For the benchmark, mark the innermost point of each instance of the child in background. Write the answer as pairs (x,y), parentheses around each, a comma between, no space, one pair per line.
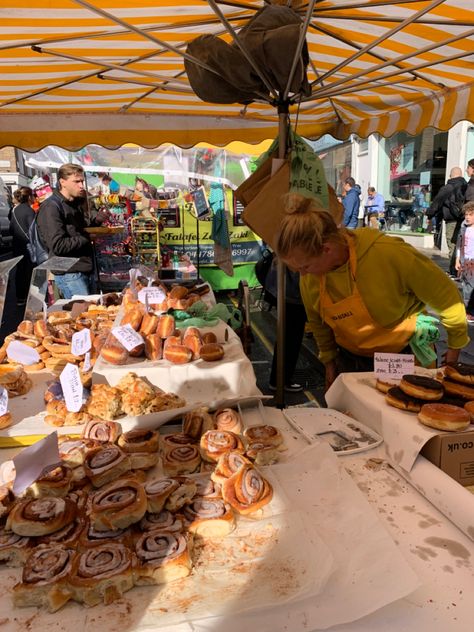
(465,258)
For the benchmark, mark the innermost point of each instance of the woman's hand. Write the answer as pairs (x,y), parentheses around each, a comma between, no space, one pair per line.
(451,356)
(331,373)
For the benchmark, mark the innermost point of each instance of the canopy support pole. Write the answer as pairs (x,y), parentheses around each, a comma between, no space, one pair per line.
(281,274)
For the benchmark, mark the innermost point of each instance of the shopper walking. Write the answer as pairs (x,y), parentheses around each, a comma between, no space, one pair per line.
(351,203)
(21,218)
(465,259)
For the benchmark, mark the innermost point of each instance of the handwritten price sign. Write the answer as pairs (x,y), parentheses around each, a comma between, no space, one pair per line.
(70,379)
(18,352)
(393,365)
(127,335)
(152,295)
(81,342)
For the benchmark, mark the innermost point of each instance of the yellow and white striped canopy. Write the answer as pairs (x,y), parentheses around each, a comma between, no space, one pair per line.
(75,72)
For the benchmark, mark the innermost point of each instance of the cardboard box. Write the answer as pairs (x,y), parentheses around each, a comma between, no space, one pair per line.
(453,453)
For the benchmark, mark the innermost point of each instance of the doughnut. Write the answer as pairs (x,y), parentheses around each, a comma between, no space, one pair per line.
(444,417)
(149,324)
(177,354)
(209,336)
(193,342)
(398,398)
(469,406)
(384,385)
(211,352)
(5,420)
(166,326)
(153,347)
(422,387)
(133,317)
(458,389)
(460,372)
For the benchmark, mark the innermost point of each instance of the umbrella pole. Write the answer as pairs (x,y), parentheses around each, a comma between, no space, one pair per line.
(281,276)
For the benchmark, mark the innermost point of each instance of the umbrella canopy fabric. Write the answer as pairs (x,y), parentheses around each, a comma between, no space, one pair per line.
(75,72)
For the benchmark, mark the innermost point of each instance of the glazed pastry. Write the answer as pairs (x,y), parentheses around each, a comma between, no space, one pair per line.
(42,328)
(459,389)
(105,464)
(118,505)
(399,399)
(444,417)
(90,537)
(153,347)
(214,443)
(460,372)
(211,352)
(181,460)
(177,354)
(227,465)
(133,317)
(114,352)
(157,492)
(44,580)
(105,402)
(197,422)
(209,337)
(149,324)
(139,441)
(14,549)
(209,517)
(54,480)
(264,434)
(162,557)
(192,340)
(102,574)
(182,495)
(228,419)
(163,521)
(103,431)
(41,516)
(246,491)
(178,291)
(422,387)
(166,326)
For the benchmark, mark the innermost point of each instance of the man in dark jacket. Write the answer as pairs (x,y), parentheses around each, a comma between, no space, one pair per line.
(351,203)
(61,225)
(470,185)
(447,205)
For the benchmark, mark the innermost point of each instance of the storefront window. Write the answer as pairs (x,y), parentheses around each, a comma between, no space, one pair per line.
(337,165)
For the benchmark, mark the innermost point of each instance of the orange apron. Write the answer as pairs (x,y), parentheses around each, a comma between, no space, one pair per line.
(354,328)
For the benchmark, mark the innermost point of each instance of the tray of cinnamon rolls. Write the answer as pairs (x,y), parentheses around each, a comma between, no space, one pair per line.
(136,508)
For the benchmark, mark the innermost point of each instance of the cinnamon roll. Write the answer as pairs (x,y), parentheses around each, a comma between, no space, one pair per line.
(246,491)
(105,464)
(268,435)
(162,557)
(14,549)
(67,536)
(209,517)
(90,537)
(54,480)
(118,505)
(163,521)
(139,441)
(205,486)
(227,465)
(103,431)
(181,460)
(175,440)
(216,442)
(158,491)
(197,422)
(73,451)
(102,574)
(143,460)
(182,495)
(44,581)
(41,516)
(228,419)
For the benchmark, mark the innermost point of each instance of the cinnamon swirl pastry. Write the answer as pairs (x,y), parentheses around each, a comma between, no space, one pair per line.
(102,574)
(228,419)
(216,442)
(227,465)
(103,431)
(14,549)
(247,491)
(158,491)
(181,460)
(143,460)
(197,422)
(205,486)
(163,521)
(139,441)
(209,517)
(118,505)
(67,536)
(105,464)
(175,440)
(268,435)
(40,516)
(73,451)
(162,557)
(90,537)
(54,480)
(44,581)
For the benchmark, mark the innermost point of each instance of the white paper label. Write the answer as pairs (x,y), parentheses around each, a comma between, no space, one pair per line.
(71,384)
(81,342)
(45,311)
(393,365)
(127,335)
(3,400)
(31,461)
(133,273)
(18,352)
(87,362)
(154,295)
(101,298)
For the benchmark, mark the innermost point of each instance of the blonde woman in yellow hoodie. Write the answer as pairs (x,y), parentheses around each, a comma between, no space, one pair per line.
(363,290)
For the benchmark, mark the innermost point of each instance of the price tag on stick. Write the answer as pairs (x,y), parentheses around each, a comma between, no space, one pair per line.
(19,352)
(393,366)
(31,461)
(127,335)
(154,295)
(70,379)
(3,400)
(81,342)
(87,362)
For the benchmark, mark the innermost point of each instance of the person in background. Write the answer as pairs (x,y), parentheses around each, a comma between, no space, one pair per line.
(469,196)
(61,226)
(374,207)
(22,216)
(447,205)
(364,291)
(351,203)
(465,258)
